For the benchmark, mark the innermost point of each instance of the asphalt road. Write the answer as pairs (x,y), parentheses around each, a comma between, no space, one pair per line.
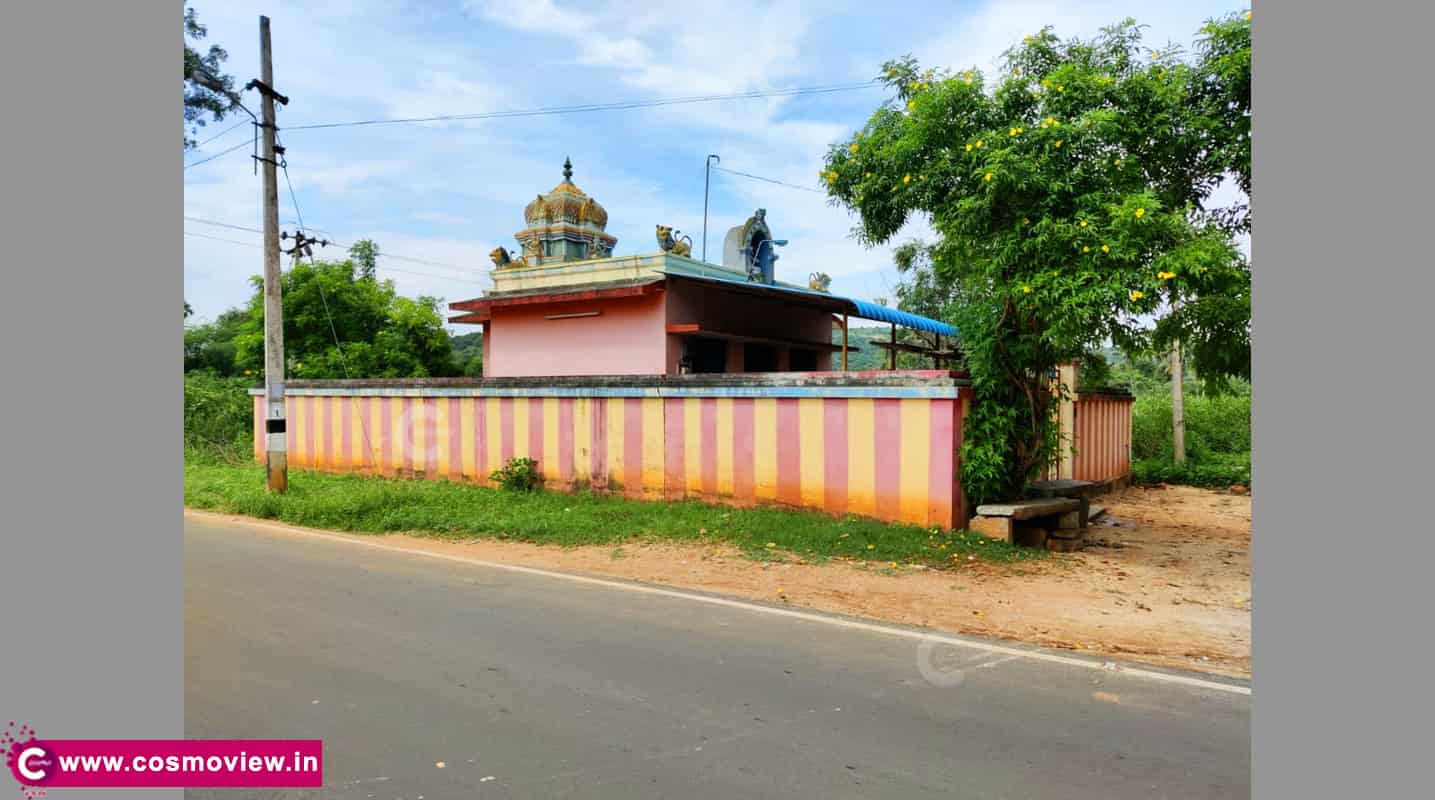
(531,686)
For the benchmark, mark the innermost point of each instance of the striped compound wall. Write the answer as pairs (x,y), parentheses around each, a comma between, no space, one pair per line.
(889,452)
(891,457)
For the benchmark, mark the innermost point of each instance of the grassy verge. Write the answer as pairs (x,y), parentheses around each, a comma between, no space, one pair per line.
(456,511)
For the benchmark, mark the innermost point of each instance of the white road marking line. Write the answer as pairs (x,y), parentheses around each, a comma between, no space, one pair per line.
(870,627)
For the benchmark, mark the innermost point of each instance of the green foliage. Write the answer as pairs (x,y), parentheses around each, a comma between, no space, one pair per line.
(204,101)
(442,509)
(518,475)
(211,346)
(218,416)
(365,254)
(1064,198)
(382,334)
(468,353)
(1218,439)
(1223,93)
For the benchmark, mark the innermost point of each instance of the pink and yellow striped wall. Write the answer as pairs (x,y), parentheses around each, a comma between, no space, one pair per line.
(892,458)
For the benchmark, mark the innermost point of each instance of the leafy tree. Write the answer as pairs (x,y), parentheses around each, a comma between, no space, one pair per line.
(365,254)
(379,333)
(1222,94)
(468,353)
(1065,199)
(211,346)
(211,94)
(188,311)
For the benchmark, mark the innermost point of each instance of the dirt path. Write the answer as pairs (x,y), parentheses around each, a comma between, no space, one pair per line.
(1165,579)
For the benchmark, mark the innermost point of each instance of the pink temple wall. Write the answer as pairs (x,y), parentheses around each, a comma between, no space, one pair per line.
(626,338)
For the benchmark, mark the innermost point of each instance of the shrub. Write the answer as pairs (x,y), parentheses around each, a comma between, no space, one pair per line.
(518,475)
(218,416)
(1218,440)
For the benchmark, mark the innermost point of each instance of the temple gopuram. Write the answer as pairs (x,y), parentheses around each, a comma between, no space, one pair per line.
(565,305)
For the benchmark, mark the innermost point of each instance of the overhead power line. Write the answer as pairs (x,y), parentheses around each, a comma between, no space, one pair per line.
(382,254)
(767,180)
(590,107)
(236,125)
(451,278)
(217,155)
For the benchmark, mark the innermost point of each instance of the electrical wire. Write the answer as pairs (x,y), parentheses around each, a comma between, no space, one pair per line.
(591,107)
(216,155)
(426,262)
(221,133)
(767,180)
(433,275)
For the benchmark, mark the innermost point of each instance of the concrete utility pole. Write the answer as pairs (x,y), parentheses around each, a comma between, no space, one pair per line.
(275,436)
(1178,404)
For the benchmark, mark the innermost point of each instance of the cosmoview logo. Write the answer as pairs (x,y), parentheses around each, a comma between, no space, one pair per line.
(35,763)
(30,760)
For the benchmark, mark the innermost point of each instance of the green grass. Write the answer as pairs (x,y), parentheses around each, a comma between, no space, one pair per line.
(445,510)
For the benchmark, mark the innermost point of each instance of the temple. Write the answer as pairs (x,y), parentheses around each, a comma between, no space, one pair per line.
(567,306)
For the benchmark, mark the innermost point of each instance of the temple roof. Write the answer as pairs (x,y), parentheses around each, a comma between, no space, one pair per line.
(565,203)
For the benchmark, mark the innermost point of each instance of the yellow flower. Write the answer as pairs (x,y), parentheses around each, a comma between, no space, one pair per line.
(1140,212)
(1248,16)
(871,547)
(1165,276)
(913,84)
(911,105)
(926,85)
(852,149)
(1083,223)
(967,74)
(1028,40)
(1086,249)
(1105,248)
(1012,132)
(988,178)
(1026,290)
(921,177)
(1058,143)
(980,143)
(1060,88)
(866,174)
(779,590)
(1046,82)
(894,565)
(1137,295)
(906,179)
(969,148)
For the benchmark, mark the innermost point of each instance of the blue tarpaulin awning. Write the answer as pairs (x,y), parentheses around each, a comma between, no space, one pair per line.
(868,310)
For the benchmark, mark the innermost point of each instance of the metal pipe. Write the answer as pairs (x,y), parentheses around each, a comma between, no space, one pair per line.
(707,176)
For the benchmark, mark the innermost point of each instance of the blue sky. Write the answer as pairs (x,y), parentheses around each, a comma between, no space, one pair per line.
(450,192)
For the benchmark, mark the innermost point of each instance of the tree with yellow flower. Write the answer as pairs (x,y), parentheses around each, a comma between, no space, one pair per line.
(1078,223)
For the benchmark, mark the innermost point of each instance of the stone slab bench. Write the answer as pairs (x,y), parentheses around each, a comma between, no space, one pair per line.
(1064,487)
(1056,523)
(1028,509)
